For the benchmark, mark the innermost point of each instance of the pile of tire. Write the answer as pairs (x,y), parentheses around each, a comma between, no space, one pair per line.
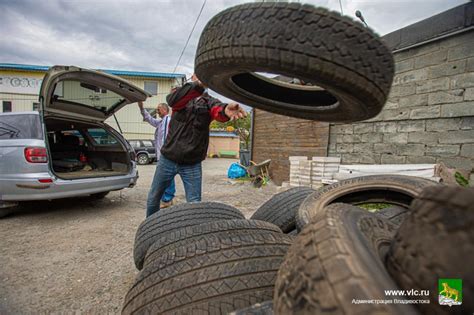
(345,255)
(204,258)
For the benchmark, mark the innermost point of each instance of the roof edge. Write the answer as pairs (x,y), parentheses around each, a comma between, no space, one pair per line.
(24,67)
(448,22)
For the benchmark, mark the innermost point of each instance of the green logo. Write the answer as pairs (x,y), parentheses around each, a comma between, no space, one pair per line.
(450,291)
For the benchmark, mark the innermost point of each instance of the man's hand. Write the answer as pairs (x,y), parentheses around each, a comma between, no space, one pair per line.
(140,105)
(195,79)
(234,111)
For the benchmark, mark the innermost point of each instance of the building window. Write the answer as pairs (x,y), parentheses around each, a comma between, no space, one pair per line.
(7,106)
(151,87)
(36,106)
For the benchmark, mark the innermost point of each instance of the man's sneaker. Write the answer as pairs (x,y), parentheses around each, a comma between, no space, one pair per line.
(166,204)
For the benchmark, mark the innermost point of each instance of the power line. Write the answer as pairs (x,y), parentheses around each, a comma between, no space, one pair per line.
(189,37)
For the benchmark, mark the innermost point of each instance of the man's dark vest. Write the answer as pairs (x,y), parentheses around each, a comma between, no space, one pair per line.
(188,135)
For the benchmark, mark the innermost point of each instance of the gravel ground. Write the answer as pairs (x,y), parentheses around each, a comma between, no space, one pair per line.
(75,255)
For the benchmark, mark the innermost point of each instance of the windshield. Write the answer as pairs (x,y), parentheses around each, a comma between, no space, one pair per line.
(86,94)
(20,127)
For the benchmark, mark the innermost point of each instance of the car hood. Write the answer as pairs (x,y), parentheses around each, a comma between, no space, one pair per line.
(87,94)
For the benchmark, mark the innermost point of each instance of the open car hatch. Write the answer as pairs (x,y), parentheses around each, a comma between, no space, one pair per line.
(87,94)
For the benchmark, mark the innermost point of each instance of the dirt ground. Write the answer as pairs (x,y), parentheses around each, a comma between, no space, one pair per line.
(75,255)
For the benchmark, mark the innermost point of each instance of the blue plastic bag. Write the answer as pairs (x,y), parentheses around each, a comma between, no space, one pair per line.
(236,171)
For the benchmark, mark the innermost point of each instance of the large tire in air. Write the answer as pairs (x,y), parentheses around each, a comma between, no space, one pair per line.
(436,242)
(190,234)
(391,189)
(175,217)
(212,275)
(349,67)
(336,261)
(281,208)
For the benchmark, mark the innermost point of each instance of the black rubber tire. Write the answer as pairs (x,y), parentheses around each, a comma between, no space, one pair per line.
(98,196)
(436,241)
(392,189)
(183,236)
(338,257)
(143,159)
(346,59)
(175,217)
(281,208)
(395,214)
(264,308)
(212,275)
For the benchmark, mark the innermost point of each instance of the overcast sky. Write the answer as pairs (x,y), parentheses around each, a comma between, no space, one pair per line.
(149,35)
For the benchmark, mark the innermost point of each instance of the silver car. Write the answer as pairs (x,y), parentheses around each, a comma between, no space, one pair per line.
(66,149)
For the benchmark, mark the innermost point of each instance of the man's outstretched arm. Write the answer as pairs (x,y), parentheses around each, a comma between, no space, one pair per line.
(147,117)
(225,112)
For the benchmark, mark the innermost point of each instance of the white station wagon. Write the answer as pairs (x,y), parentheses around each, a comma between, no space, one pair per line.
(67,149)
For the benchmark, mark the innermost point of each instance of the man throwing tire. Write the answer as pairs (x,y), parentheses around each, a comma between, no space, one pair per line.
(187,142)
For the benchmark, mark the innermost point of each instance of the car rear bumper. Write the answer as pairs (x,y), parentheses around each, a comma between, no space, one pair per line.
(29,188)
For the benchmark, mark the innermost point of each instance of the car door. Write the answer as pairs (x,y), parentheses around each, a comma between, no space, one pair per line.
(149,146)
(70,91)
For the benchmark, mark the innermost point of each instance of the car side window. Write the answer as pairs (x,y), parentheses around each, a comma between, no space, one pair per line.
(135,144)
(147,143)
(20,127)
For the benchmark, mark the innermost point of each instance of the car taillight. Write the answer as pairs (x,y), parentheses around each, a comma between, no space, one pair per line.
(83,158)
(36,155)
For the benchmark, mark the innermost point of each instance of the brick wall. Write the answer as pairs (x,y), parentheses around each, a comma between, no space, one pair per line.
(429,116)
(277,137)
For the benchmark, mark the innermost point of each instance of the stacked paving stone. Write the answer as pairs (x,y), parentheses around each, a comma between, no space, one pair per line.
(309,173)
(323,168)
(295,169)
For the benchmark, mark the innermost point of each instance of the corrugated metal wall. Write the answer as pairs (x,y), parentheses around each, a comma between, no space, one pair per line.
(20,102)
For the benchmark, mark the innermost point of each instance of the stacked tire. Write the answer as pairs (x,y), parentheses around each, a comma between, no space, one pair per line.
(434,243)
(204,258)
(282,208)
(336,259)
(345,254)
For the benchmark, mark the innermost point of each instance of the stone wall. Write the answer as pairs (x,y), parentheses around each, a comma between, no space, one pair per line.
(429,116)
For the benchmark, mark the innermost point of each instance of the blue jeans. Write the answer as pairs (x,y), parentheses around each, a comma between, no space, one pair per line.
(169,192)
(166,170)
